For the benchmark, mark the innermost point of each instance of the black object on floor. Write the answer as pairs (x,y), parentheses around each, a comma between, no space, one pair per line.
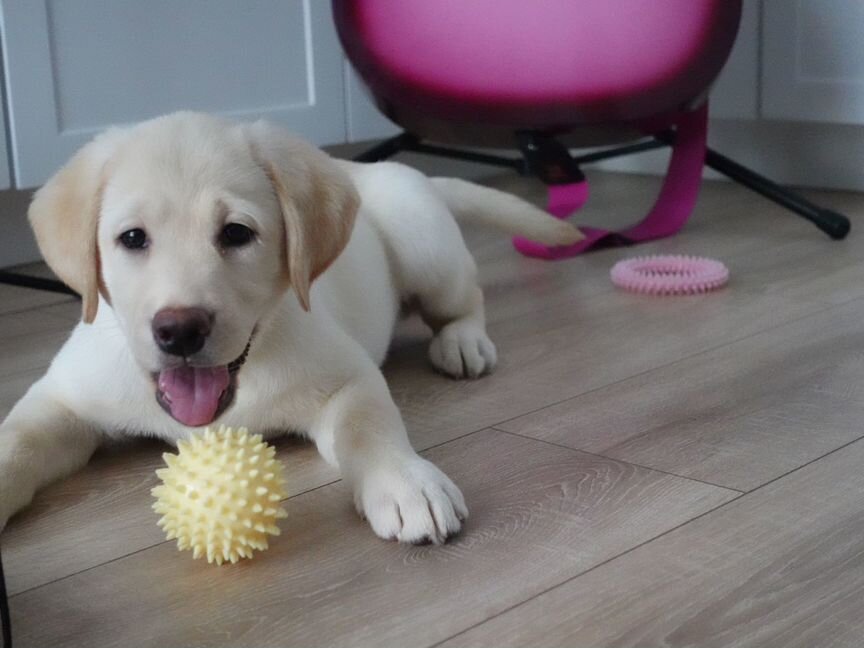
(5,621)
(37,283)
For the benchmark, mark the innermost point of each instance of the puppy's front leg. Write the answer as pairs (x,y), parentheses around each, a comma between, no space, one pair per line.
(402,495)
(40,442)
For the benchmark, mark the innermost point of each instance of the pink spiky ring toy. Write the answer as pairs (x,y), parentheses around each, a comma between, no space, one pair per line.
(670,275)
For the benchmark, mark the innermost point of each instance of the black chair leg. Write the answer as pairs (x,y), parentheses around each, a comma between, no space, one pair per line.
(834,224)
(411,143)
(387,149)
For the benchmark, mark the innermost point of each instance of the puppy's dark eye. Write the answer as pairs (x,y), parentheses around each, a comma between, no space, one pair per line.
(235,235)
(134,239)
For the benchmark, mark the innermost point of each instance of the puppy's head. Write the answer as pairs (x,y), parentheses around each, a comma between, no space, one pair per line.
(191,228)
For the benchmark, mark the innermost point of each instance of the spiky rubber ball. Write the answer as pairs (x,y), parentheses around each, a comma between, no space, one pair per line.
(220,495)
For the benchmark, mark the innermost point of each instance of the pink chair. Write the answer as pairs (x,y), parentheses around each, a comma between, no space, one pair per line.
(546,75)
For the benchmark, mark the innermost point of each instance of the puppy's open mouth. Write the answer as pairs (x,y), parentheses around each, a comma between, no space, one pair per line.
(196,396)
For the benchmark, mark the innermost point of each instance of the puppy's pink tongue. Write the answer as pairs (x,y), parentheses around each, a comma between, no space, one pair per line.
(192,393)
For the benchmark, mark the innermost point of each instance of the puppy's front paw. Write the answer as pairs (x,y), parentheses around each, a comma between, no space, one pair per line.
(411,501)
(463,350)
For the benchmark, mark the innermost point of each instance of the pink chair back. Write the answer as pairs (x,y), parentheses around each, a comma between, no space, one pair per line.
(540,62)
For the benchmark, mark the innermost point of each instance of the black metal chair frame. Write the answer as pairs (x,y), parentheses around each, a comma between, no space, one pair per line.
(834,224)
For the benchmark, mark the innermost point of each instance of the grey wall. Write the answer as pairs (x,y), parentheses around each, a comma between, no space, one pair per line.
(16,240)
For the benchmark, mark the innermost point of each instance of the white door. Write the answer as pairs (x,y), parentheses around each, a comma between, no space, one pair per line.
(813,60)
(74,67)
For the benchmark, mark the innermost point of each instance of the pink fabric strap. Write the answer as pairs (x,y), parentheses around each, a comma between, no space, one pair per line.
(668,215)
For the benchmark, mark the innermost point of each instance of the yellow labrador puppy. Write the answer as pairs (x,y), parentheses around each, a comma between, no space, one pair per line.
(234,273)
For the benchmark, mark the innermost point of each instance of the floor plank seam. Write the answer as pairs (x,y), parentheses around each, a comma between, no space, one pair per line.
(456,438)
(147,548)
(739,493)
(157,544)
(15,375)
(592,568)
(18,374)
(47,332)
(610,289)
(39,307)
(624,461)
(668,365)
(646,542)
(845,302)
(804,465)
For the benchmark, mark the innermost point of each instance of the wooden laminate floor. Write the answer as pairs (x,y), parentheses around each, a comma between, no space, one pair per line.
(641,471)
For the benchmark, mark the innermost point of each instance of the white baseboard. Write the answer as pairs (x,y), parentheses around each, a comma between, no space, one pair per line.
(824,156)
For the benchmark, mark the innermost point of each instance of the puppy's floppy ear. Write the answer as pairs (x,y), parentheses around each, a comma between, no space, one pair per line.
(317,199)
(64,215)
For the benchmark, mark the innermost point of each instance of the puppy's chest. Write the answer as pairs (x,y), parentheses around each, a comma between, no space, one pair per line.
(272,403)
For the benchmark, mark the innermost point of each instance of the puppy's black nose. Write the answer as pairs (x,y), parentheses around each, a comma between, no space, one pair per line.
(181,331)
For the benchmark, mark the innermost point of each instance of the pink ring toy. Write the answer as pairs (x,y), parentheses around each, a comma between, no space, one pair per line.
(669,275)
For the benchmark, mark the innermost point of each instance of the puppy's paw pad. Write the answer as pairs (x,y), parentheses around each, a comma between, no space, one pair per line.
(413,502)
(463,350)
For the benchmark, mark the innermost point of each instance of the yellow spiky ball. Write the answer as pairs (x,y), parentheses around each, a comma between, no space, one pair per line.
(220,494)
